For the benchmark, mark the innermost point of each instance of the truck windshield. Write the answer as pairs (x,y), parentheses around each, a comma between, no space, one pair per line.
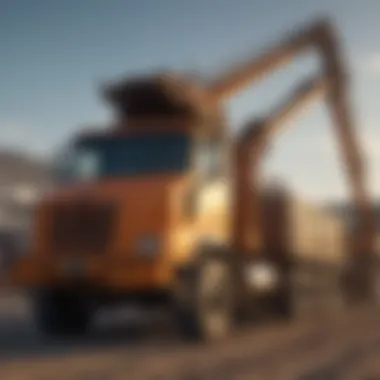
(101,157)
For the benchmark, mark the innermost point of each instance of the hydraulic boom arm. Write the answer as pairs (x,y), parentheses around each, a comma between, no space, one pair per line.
(332,83)
(248,154)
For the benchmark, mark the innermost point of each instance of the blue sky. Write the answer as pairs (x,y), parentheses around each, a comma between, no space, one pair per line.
(54,55)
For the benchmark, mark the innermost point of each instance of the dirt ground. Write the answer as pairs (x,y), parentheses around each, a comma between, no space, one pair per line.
(344,347)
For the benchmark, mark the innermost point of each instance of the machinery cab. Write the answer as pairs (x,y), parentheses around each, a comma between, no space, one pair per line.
(154,158)
(163,126)
(154,176)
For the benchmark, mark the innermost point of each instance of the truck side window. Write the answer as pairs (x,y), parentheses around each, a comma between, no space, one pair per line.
(208,161)
(208,166)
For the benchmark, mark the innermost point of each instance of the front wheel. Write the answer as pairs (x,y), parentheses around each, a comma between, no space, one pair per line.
(60,313)
(209,311)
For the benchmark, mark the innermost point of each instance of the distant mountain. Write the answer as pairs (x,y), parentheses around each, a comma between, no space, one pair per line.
(18,167)
(22,178)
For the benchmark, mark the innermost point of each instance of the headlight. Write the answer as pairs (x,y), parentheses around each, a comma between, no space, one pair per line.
(148,246)
(262,276)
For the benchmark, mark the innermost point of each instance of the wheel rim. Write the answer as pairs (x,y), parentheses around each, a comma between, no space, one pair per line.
(214,298)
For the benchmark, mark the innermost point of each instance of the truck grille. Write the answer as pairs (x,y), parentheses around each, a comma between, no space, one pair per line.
(81,227)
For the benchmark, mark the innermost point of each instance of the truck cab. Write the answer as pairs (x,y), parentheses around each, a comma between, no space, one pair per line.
(131,208)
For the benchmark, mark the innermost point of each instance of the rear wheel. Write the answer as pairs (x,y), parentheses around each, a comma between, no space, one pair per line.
(60,313)
(209,311)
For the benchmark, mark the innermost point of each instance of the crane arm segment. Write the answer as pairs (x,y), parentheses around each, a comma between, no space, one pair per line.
(256,68)
(301,96)
(248,153)
(320,36)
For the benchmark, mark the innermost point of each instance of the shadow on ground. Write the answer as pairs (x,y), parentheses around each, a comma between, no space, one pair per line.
(20,338)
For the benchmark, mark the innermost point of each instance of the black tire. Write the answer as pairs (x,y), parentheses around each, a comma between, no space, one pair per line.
(207,314)
(295,298)
(60,313)
(280,305)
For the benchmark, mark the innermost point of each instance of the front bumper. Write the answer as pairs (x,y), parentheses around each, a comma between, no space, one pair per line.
(121,275)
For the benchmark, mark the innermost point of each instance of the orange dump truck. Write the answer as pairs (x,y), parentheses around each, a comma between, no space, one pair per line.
(163,208)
